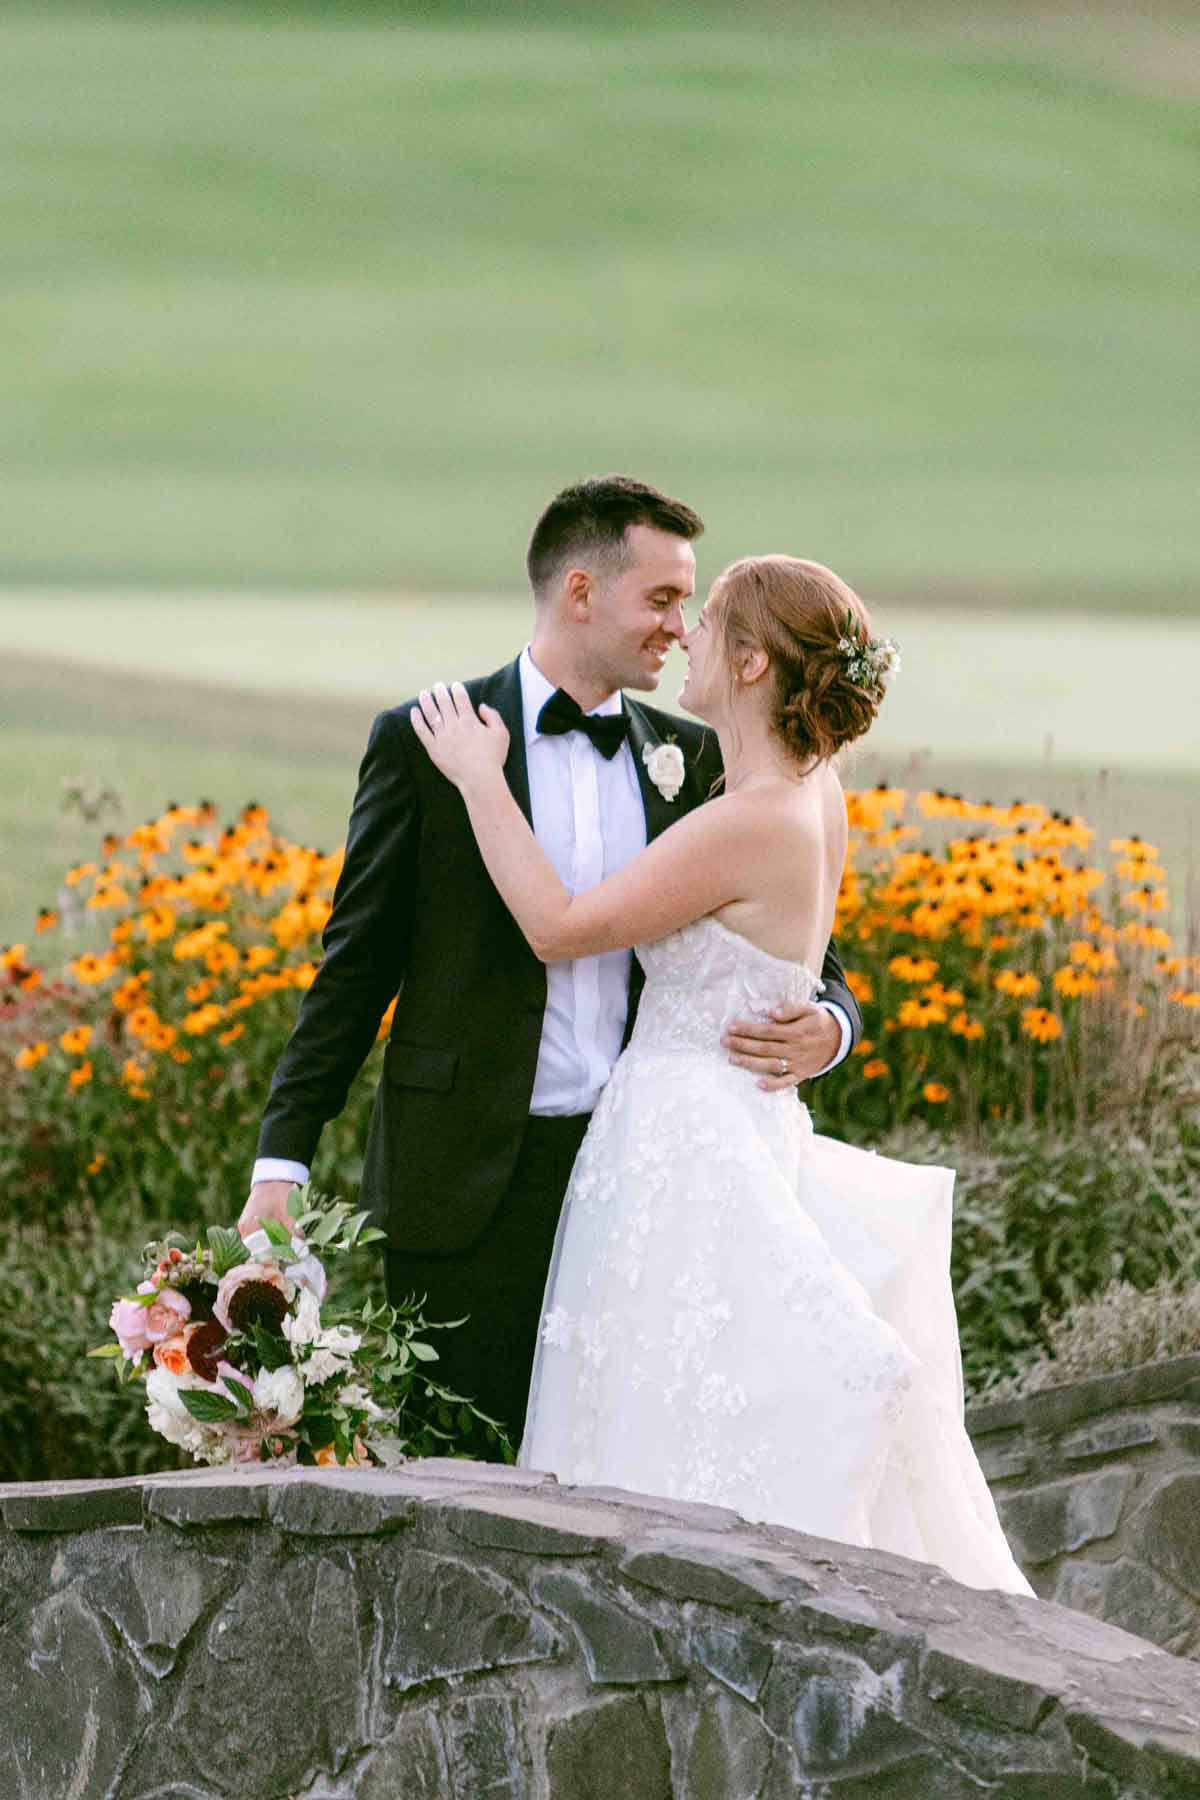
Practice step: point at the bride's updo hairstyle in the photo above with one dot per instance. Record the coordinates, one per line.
(797, 612)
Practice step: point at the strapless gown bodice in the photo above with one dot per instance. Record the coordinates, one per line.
(741, 1311)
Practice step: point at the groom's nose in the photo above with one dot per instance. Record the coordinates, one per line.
(674, 625)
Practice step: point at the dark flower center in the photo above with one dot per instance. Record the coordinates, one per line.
(257, 1303)
(204, 1348)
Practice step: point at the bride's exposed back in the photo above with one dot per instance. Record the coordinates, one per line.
(738, 1310)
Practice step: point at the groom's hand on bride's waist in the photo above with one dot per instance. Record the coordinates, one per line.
(268, 1200)
(792, 1045)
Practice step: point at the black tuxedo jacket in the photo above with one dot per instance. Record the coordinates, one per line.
(415, 915)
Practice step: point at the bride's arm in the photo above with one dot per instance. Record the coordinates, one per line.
(690, 870)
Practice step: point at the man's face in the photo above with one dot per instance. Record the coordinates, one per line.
(634, 618)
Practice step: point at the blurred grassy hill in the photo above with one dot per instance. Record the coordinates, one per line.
(334, 298)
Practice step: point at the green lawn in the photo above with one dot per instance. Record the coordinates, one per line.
(270, 698)
(336, 302)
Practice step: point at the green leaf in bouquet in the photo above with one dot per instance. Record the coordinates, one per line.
(422, 1352)
(297, 1204)
(273, 1352)
(210, 1409)
(371, 1235)
(242, 1396)
(106, 1350)
(226, 1248)
(279, 1234)
(327, 1229)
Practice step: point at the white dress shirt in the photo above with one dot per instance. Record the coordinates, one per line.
(589, 818)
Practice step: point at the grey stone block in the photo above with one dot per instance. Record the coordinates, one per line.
(484, 1744)
(1127, 1594)
(219, 1500)
(609, 1750)
(840, 1728)
(689, 1566)
(410, 1764)
(727, 1753)
(72, 1505)
(619, 1646)
(323, 1509)
(1044, 1522)
(253, 1718)
(70, 1704)
(531, 1525)
(735, 1657)
(1004, 1462)
(1107, 1437)
(1169, 1531)
(156, 1595)
(442, 1617)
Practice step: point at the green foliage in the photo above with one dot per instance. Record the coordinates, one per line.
(839, 280)
(1117, 1329)
(61, 1415)
(1044, 1223)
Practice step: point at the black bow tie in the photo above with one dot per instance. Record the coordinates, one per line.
(607, 731)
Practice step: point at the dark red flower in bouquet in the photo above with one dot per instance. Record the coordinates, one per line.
(204, 1346)
(257, 1303)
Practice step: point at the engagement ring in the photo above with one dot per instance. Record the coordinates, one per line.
(785, 1067)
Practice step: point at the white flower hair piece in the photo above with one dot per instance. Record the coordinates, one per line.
(870, 662)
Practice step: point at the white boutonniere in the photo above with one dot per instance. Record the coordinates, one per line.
(664, 765)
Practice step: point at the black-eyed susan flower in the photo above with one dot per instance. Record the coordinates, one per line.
(91, 970)
(31, 1055)
(76, 1040)
(874, 1068)
(203, 1019)
(1015, 984)
(935, 1092)
(1040, 1024)
(79, 1077)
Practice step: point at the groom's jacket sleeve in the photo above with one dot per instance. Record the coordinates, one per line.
(834, 977)
(365, 944)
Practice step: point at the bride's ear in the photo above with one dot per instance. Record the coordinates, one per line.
(750, 665)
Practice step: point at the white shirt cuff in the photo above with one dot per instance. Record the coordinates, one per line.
(839, 1013)
(278, 1168)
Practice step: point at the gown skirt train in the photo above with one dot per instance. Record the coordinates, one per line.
(741, 1311)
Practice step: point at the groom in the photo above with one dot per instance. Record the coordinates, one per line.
(495, 1061)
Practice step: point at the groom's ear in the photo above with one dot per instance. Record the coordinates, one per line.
(578, 590)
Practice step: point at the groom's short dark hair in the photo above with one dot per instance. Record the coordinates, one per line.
(591, 519)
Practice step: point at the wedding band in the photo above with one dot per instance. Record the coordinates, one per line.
(785, 1067)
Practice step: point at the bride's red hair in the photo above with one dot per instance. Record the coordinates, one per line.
(797, 612)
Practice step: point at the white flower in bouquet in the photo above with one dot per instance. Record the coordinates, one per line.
(303, 1326)
(355, 1395)
(168, 1415)
(330, 1355)
(281, 1392)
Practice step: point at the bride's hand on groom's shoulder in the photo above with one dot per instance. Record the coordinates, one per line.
(464, 744)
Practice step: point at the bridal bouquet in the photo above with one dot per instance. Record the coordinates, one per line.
(243, 1362)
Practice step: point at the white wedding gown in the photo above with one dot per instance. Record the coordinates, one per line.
(742, 1312)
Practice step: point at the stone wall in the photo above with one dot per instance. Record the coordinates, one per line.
(1098, 1486)
(459, 1632)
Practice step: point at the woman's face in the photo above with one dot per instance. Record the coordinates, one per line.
(703, 691)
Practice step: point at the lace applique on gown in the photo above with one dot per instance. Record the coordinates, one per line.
(742, 1312)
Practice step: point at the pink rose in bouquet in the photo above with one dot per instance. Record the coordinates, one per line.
(139, 1328)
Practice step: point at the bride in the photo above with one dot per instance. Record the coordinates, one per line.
(738, 1310)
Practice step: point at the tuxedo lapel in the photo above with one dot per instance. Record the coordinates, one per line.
(503, 691)
(659, 812)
